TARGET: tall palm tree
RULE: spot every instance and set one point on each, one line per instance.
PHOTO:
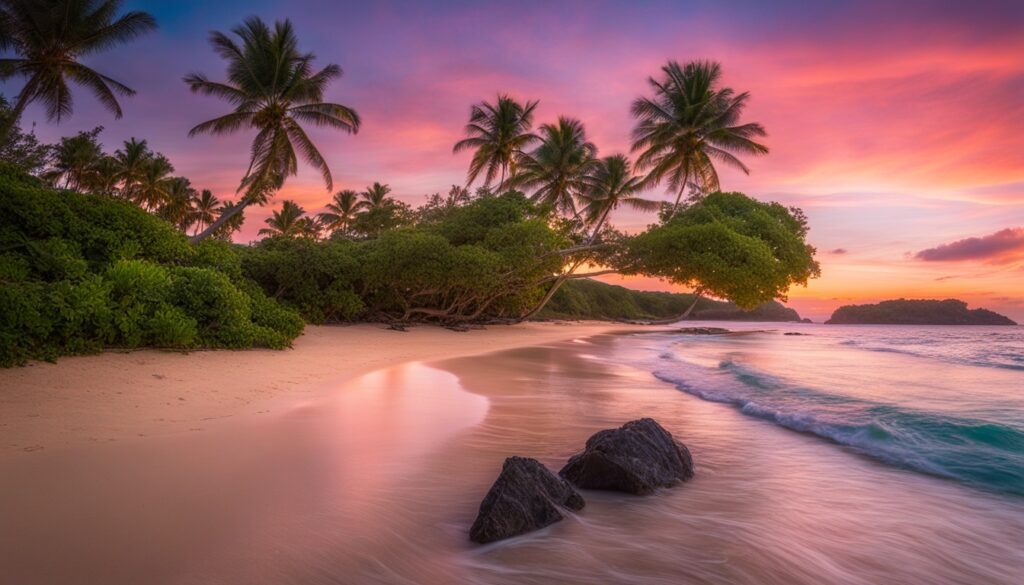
(341, 211)
(274, 91)
(690, 124)
(557, 169)
(205, 208)
(132, 159)
(177, 205)
(152, 188)
(49, 36)
(375, 197)
(611, 184)
(499, 133)
(288, 222)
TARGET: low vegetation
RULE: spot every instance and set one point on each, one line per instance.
(79, 273)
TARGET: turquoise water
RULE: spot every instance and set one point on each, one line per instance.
(946, 401)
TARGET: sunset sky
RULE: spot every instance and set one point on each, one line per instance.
(898, 127)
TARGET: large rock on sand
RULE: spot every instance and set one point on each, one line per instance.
(638, 457)
(525, 497)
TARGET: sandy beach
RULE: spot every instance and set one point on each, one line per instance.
(127, 395)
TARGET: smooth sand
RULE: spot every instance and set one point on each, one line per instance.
(120, 396)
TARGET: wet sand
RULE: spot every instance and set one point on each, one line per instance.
(378, 479)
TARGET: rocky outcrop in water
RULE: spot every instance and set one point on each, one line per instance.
(525, 497)
(637, 458)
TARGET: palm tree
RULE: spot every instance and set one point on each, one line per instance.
(274, 90)
(690, 124)
(132, 160)
(232, 225)
(498, 133)
(557, 169)
(49, 36)
(611, 183)
(288, 222)
(151, 190)
(75, 159)
(310, 227)
(104, 176)
(375, 197)
(177, 205)
(206, 207)
(341, 211)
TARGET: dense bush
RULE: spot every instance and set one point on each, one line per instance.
(487, 258)
(82, 272)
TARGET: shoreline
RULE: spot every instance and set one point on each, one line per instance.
(116, 396)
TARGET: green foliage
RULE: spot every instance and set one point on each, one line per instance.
(730, 246)
(82, 272)
(318, 279)
(17, 148)
(592, 299)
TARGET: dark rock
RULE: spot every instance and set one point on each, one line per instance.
(525, 497)
(637, 458)
(795, 333)
(702, 331)
(397, 326)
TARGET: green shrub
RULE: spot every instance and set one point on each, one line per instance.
(316, 278)
(82, 272)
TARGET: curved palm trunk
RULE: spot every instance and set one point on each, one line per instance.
(565, 276)
(679, 197)
(684, 315)
(224, 217)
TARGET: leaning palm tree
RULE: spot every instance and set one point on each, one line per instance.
(498, 132)
(341, 211)
(375, 197)
(49, 36)
(232, 225)
(288, 222)
(611, 183)
(274, 91)
(556, 170)
(205, 209)
(689, 125)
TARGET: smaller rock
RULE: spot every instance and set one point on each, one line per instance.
(637, 458)
(525, 497)
(702, 331)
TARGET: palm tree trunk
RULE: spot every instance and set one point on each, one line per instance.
(224, 217)
(675, 208)
(685, 313)
(564, 277)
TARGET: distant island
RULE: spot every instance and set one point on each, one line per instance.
(916, 312)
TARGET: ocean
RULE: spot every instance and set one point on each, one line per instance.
(946, 401)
